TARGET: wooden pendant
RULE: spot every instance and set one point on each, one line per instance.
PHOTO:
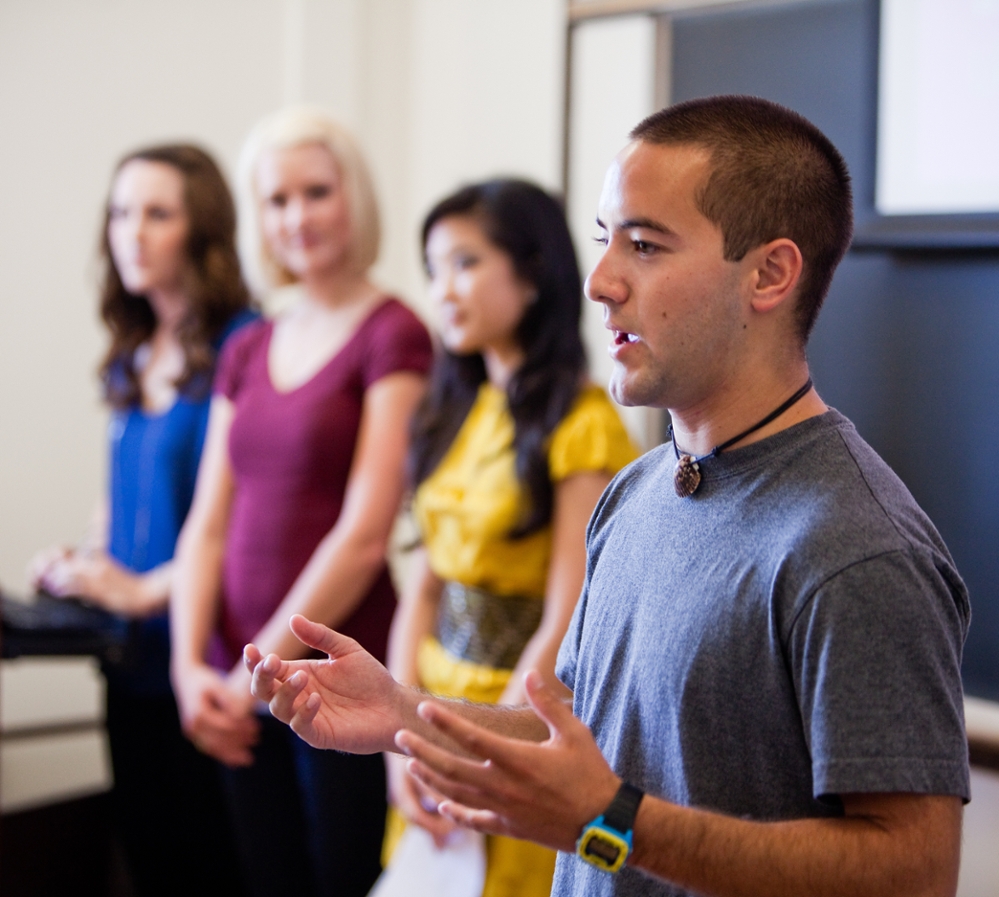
(686, 476)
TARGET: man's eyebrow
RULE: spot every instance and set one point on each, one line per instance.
(646, 223)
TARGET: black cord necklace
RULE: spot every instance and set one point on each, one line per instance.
(687, 473)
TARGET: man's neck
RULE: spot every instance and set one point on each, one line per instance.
(730, 411)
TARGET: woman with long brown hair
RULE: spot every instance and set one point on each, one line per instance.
(171, 294)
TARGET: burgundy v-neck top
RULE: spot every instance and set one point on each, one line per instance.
(290, 454)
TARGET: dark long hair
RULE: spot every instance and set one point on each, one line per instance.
(529, 225)
(213, 286)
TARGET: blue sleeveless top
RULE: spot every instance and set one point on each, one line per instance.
(153, 467)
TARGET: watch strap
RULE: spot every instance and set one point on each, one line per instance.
(621, 813)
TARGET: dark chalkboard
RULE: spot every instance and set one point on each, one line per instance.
(908, 343)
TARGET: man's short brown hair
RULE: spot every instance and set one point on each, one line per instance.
(773, 174)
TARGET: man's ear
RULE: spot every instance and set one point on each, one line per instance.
(776, 272)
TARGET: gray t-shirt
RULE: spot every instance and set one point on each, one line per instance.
(791, 632)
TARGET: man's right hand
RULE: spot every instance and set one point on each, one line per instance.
(348, 702)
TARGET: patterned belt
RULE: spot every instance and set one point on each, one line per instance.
(484, 628)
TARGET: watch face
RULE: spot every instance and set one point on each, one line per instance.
(603, 850)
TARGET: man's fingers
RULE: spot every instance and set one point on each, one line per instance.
(284, 701)
(485, 821)
(302, 718)
(268, 674)
(546, 704)
(320, 637)
(451, 787)
(446, 773)
(474, 739)
(444, 761)
(251, 657)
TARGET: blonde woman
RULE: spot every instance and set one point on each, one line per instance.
(298, 488)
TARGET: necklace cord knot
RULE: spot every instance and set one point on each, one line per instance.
(687, 473)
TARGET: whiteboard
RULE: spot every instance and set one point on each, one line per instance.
(938, 107)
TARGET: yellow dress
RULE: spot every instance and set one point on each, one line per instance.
(466, 509)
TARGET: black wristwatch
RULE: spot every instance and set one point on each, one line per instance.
(606, 842)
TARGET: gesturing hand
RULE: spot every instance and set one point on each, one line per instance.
(348, 702)
(538, 791)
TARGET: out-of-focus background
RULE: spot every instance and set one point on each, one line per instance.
(440, 92)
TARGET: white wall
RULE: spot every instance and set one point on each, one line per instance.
(438, 91)
(612, 87)
(479, 94)
(80, 83)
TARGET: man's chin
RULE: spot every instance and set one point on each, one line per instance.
(623, 392)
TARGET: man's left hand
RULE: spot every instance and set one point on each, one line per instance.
(537, 791)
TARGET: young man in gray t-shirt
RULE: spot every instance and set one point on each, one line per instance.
(764, 662)
(790, 635)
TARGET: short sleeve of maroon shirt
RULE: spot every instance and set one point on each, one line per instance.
(290, 454)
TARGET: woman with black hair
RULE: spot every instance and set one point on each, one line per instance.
(511, 449)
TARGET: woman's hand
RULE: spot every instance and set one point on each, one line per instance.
(44, 562)
(415, 801)
(101, 580)
(217, 717)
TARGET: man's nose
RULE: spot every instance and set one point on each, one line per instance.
(604, 283)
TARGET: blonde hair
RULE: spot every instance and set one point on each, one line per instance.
(293, 127)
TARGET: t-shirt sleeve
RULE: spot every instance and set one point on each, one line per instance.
(567, 661)
(568, 652)
(876, 656)
(233, 358)
(590, 438)
(398, 342)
